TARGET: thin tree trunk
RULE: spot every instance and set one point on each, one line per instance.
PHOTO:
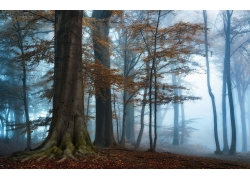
(232, 150)
(241, 98)
(117, 124)
(18, 121)
(243, 123)
(224, 112)
(2, 126)
(176, 113)
(217, 151)
(142, 119)
(88, 104)
(182, 138)
(122, 142)
(182, 141)
(7, 126)
(25, 100)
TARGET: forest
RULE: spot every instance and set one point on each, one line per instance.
(120, 86)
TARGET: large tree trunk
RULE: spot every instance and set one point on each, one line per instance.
(68, 133)
(104, 127)
(217, 151)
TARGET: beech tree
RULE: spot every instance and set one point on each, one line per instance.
(68, 135)
(217, 151)
(104, 127)
(227, 24)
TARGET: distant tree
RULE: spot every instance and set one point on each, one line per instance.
(104, 127)
(217, 151)
(165, 46)
(25, 48)
(241, 79)
(227, 25)
(176, 113)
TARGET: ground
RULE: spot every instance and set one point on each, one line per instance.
(120, 158)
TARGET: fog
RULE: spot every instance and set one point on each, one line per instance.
(199, 112)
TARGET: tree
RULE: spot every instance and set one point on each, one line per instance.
(227, 24)
(217, 151)
(25, 49)
(242, 81)
(68, 135)
(165, 46)
(176, 113)
(104, 127)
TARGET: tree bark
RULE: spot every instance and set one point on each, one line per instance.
(68, 135)
(142, 119)
(25, 98)
(224, 111)
(217, 151)
(104, 126)
(176, 114)
(232, 150)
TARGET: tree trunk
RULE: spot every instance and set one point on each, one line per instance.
(243, 122)
(68, 133)
(129, 110)
(217, 151)
(104, 127)
(176, 114)
(224, 112)
(182, 141)
(26, 109)
(25, 97)
(142, 119)
(130, 132)
(144, 103)
(232, 150)
(116, 117)
(18, 121)
(241, 98)
(6, 139)
(182, 138)
(2, 127)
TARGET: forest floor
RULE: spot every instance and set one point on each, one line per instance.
(120, 158)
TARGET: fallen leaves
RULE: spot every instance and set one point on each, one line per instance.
(126, 159)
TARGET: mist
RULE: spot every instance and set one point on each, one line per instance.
(144, 81)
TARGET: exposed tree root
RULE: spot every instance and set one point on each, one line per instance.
(67, 153)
